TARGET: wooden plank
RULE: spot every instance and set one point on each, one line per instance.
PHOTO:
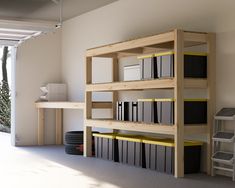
(211, 103)
(195, 37)
(41, 126)
(135, 51)
(88, 130)
(102, 105)
(179, 104)
(195, 83)
(195, 129)
(88, 70)
(59, 126)
(64, 105)
(122, 46)
(115, 79)
(87, 137)
(132, 85)
(131, 126)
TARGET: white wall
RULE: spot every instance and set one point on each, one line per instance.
(38, 62)
(128, 19)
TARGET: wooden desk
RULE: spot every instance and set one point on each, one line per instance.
(58, 106)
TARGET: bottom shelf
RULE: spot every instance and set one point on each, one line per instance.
(223, 157)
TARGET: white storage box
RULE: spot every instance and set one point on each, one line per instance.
(132, 72)
(54, 92)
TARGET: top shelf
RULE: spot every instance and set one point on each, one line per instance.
(137, 46)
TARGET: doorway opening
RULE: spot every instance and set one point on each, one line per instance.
(7, 64)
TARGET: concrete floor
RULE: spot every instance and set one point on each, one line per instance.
(50, 167)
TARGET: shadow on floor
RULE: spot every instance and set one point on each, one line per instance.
(110, 174)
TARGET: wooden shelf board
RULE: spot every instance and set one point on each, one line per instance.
(195, 129)
(147, 84)
(131, 44)
(62, 104)
(131, 126)
(102, 105)
(132, 85)
(163, 40)
(195, 83)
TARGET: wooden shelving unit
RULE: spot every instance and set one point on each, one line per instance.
(176, 40)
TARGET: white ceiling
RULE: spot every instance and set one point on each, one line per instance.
(18, 17)
(46, 9)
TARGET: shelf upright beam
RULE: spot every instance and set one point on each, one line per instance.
(179, 103)
(59, 126)
(41, 126)
(115, 71)
(88, 110)
(211, 91)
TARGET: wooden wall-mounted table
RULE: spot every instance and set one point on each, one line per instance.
(58, 106)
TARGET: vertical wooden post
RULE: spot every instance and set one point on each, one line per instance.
(115, 71)
(179, 103)
(41, 126)
(59, 126)
(88, 111)
(211, 94)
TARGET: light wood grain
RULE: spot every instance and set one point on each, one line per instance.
(88, 70)
(132, 85)
(211, 103)
(88, 130)
(115, 66)
(64, 105)
(198, 83)
(179, 103)
(128, 45)
(195, 37)
(59, 126)
(41, 126)
(87, 137)
(131, 126)
(102, 105)
(195, 129)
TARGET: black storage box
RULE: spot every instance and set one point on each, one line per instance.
(162, 111)
(195, 111)
(106, 146)
(159, 155)
(130, 150)
(195, 64)
(161, 65)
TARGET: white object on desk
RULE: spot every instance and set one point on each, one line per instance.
(54, 92)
